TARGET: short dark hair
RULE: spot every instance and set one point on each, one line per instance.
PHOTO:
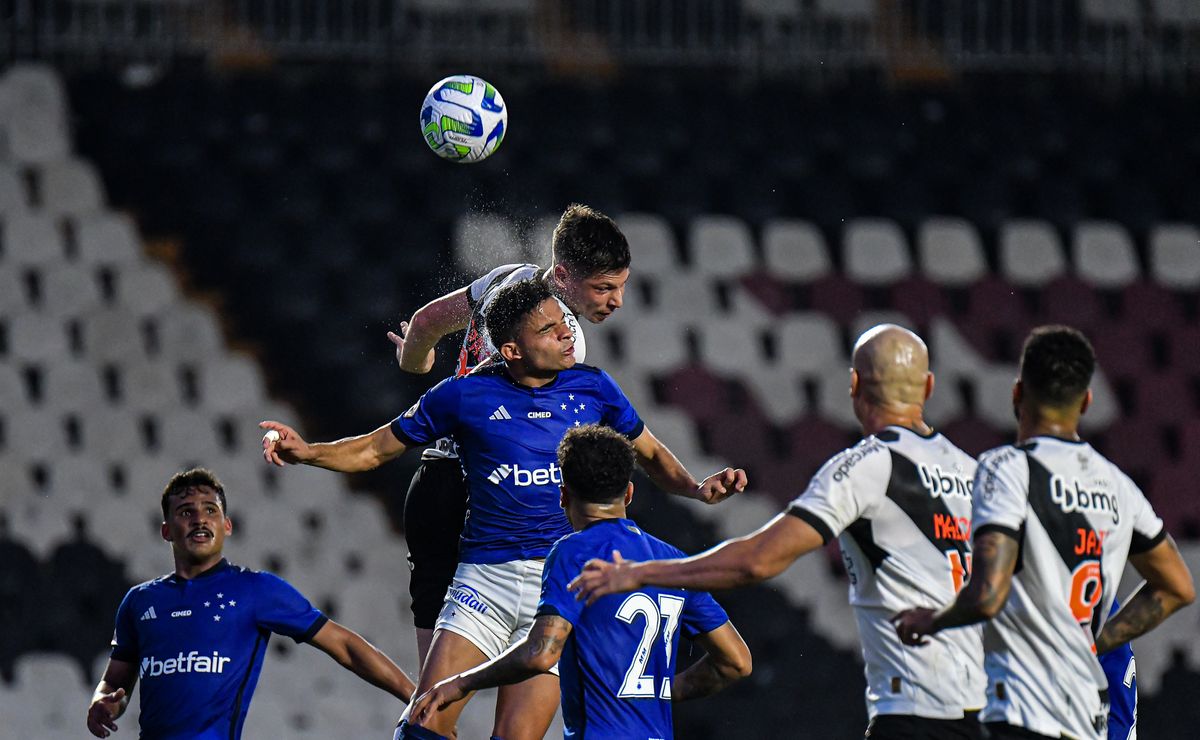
(1057, 363)
(510, 307)
(596, 463)
(193, 478)
(589, 242)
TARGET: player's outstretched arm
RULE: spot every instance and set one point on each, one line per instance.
(537, 653)
(741, 562)
(282, 445)
(726, 660)
(670, 475)
(111, 697)
(1167, 589)
(365, 660)
(994, 556)
(418, 337)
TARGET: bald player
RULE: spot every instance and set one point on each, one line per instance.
(899, 503)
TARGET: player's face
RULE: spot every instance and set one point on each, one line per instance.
(197, 526)
(545, 340)
(595, 298)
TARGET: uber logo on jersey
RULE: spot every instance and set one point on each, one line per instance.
(539, 414)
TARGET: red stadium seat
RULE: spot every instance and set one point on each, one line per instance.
(744, 441)
(974, 436)
(1073, 302)
(1164, 397)
(769, 291)
(1150, 305)
(697, 391)
(1173, 495)
(836, 296)
(1183, 343)
(918, 298)
(995, 303)
(811, 441)
(1123, 350)
(1134, 444)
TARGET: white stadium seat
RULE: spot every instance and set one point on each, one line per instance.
(112, 434)
(150, 386)
(12, 290)
(113, 335)
(721, 246)
(795, 250)
(656, 344)
(71, 386)
(187, 435)
(71, 187)
(950, 252)
(685, 295)
(32, 240)
(37, 136)
(876, 252)
(833, 396)
(37, 337)
(107, 238)
(993, 396)
(69, 290)
(12, 388)
(651, 242)
(952, 356)
(1030, 253)
(484, 240)
(728, 346)
(1104, 255)
(1175, 256)
(230, 383)
(189, 331)
(146, 288)
(809, 343)
(778, 391)
(33, 433)
(675, 429)
(13, 197)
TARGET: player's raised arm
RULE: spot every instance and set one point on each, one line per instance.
(536, 654)
(418, 337)
(282, 445)
(363, 659)
(726, 660)
(739, 562)
(1167, 589)
(670, 475)
(111, 697)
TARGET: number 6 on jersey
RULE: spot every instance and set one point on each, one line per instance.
(637, 685)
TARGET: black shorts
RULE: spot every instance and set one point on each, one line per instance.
(908, 727)
(1005, 731)
(434, 511)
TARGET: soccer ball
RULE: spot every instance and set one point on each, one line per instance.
(463, 119)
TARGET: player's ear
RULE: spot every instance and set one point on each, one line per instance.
(929, 384)
(562, 497)
(165, 531)
(629, 493)
(228, 526)
(509, 351)
(561, 275)
(854, 384)
(1086, 403)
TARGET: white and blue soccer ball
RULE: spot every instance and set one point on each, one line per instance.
(463, 119)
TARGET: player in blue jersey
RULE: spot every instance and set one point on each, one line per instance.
(196, 638)
(507, 419)
(616, 657)
(1119, 667)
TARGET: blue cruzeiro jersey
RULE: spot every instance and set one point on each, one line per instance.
(199, 645)
(617, 665)
(1119, 667)
(508, 438)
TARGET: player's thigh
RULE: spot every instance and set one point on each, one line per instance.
(907, 727)
(525, 710)
(449, 654)
(424, 640)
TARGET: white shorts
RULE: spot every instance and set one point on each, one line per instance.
(493, 605)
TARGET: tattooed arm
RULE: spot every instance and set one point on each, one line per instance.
(994, 556)
(1168, 588)
(537, 653)
(727, 659)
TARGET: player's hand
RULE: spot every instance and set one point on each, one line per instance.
(398, 339)
(103, 711)
(913, 626)
(435, 700)
(286, 448)
(601, 578)
(721, 485)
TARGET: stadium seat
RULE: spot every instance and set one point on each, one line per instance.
(12, 290)
(833, 396)
(188, 331)
(146, 288)
(37, 136)
(13, 197)
(32, 433)
(1105, 408)
(113, 335)
(993, 396)
(651, 242)
(676, 430)
(71, 386)
(1183, 348)
(13, 395)
(37, 337)
(1150, 305)
(1165, 397)
(1175, 256)
(696, 390)
(1068, 300)
(809, 442)
(1030, 253)
(837, 296)
(69, 291)
(187, 435)
(809, 343)
(778, 392)
(794, 251)
(231, 383)
(1104, 255)
(729, 346)
(744, 439)
(975, 438)
(685, 295)
(70, 188)
(149, 386)
(875, 252)
(79, 482)
(949, 252)
(112, 434)
(1123, 350)
(920, 299)
(32, 241)
(484, 240)
(721, 247)
(106, 239)
(945, 405)
(1135, 445)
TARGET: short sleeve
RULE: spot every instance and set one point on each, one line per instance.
(1148, 528)
(562, 565)
(840, 492)
(481, 284)
(280, 608)
(433, 416)
(618, 412)
(125, 639)
(701, 614)
(1001, 490)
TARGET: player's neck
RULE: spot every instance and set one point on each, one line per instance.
(583, 515)
(189, 569)
(521, 376)
(878, 418)
(1032, 424)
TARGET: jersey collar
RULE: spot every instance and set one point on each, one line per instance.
(221, 565)
(933, 432)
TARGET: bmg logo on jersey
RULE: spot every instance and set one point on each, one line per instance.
(942, 483)
(467, 596)
(193, 662)
(523, 477)
(1074, 497)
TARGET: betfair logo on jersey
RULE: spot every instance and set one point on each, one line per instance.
(525, 477)
(468, 597)
(193, 662)
(944, 483)
(1072, 496)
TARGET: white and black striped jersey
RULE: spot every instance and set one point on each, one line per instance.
(1077, 517)
(477, 346)
(900, 505)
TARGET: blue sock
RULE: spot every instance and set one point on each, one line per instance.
(408, 731)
